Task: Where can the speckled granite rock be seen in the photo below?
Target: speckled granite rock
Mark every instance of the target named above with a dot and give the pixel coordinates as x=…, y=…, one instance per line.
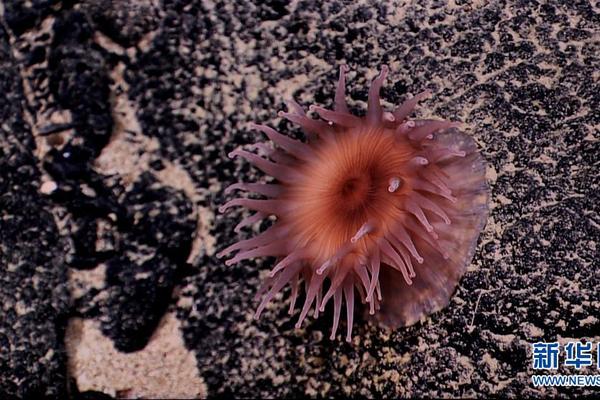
x=115, y=124
x=33, y=274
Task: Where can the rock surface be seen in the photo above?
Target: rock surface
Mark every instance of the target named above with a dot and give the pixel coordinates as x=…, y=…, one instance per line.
x=115, y=123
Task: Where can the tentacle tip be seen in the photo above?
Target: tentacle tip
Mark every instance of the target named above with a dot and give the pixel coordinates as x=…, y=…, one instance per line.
x=323, y=267
x=312, y=108
x=349, y=339
x=281, y=114
x=344, y=68
x=420, y=260
x=222, y=209
x=322, y=308
x=220, y=254
x=298, y=325
x=232, y=154
x=385, y=68
x=229, y=263
x=389, y=117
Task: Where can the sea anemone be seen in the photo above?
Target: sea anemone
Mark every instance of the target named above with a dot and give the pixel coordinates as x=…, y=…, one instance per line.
x=381, y=205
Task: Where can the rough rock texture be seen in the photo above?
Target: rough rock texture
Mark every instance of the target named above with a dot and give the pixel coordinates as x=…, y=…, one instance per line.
x=163, y=369
x=115, y=121
x=33, y=273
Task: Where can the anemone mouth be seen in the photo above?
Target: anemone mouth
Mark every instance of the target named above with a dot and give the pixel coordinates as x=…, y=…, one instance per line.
x=384, y=206
x=345, y=186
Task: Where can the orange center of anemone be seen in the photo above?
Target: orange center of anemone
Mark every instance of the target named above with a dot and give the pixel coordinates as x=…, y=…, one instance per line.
x=346, y=186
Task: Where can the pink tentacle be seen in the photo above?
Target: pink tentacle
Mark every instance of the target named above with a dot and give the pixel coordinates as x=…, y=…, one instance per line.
x=361, y=271
x=315, y=282
x=268, y=207
x=277, y=171
x=264, y=287
x=430, y=175
x=294, y=295
x=340, y=92
x=294, y=147
x=249, y=220
x=274, y=232
x=280, y=282
x=437, y=154
x=338, y=278
x=404, y=128
x=349, y=294
x=375, y=265
x=291, y=258
x=342, y=119
x=269, y=190
x=402, y=252
x=400, y=233
x=337, y=310
x=395, y=261
x=318, y=301
x=412, y=207
x=431, y=206
x=342, y=251
x=273, y=249
x=429, y=128
x=425, y=186
x=406, y=258
x=294, y=107
x=374, y=110
x=408, y=106
x=261, y=147
x=309, y=125
x=430, y=238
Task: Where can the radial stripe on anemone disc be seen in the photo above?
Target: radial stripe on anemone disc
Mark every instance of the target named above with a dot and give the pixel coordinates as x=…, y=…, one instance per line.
x=383, y=207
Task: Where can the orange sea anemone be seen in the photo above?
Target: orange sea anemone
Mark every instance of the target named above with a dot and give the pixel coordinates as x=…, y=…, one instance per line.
x=381, y=205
